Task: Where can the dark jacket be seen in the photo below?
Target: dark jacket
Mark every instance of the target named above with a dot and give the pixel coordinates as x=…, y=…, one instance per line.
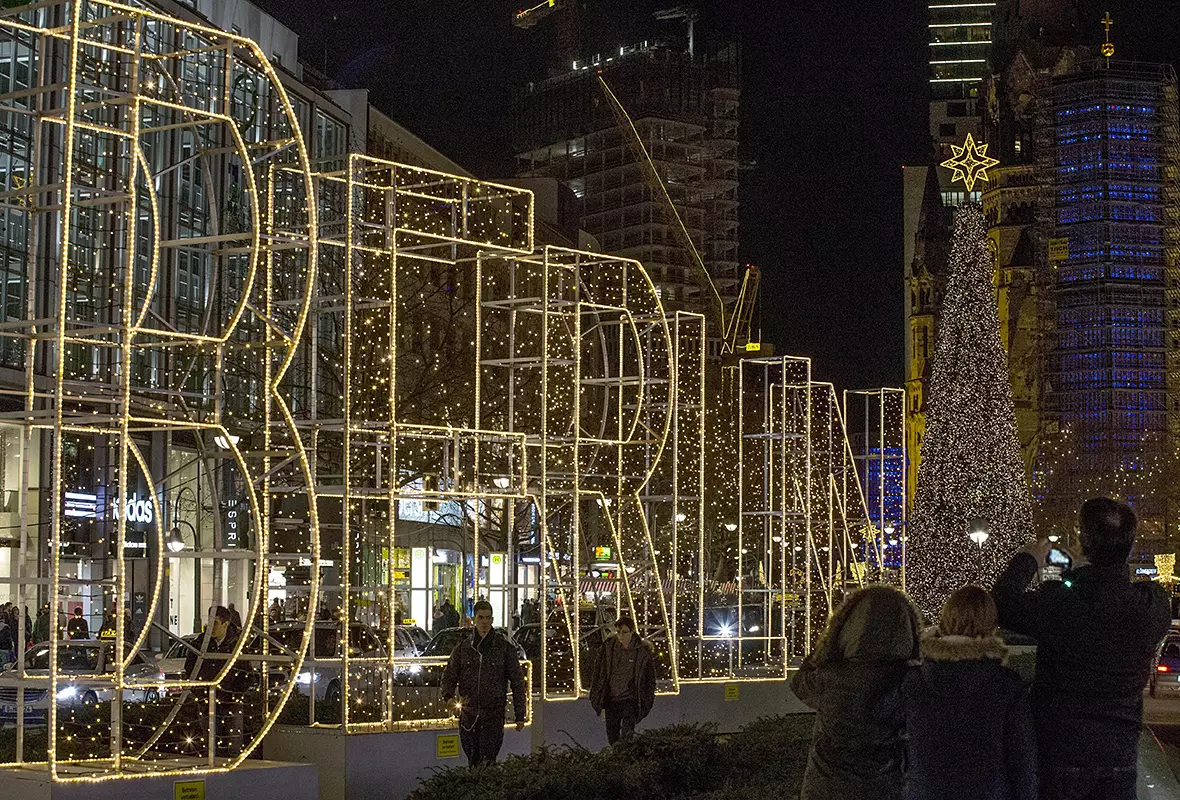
x=481, y=673
x=645, y=675
x=78, y=628
x=969, y=728
x=853, y=681
x=237, y=679
x=1096, y=636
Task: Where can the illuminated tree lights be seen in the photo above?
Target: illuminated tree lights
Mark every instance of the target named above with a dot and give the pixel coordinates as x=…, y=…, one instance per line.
x=971, y=466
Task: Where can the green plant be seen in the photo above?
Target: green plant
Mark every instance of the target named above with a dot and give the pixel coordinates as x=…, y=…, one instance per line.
x=681, y=762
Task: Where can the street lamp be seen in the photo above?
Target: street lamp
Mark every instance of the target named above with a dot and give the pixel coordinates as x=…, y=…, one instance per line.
x=501, y=483
x=175, y=540
x=730, y=526
x=226, y=442
x=978, y=530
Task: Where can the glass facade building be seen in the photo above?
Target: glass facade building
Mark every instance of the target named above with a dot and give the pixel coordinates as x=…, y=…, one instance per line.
x=960, y=41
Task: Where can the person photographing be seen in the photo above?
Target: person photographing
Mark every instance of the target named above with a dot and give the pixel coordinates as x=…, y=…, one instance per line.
x=480, y=670
x=1096, y=634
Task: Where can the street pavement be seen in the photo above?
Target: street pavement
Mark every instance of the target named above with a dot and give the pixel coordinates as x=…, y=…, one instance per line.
x=1161, y=716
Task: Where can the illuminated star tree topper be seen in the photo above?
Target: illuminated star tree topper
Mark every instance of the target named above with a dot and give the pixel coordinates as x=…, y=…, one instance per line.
x=971, y=476
x=970, y=162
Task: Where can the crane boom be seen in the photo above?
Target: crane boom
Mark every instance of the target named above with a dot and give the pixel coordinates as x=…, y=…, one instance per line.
x=643, y=158
x=738, y=332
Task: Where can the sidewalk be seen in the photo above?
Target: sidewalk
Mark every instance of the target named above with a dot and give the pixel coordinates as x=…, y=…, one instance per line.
x=1156, y=779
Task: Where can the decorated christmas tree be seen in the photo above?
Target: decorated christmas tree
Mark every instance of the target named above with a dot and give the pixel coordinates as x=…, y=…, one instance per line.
x=971, y=477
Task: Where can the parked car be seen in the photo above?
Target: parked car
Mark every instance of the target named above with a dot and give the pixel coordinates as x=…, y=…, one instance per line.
x=444, y=641
x=171, y=661
x=418, y=637
x=558, y=648
x=408, y=644
x=1165, y=673
x=321, y=677
x=77, y=657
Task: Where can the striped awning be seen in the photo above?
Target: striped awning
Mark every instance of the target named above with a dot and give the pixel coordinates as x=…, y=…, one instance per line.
x=616, y=584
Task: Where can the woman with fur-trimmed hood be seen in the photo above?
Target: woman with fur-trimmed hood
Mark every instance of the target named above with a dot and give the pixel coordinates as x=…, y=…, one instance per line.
x=969, y=729
x=852, y=680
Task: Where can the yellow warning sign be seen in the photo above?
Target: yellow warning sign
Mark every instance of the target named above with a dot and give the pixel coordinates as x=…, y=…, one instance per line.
x=731, y=692
x=189, y=790
x=448, y=746
x=1059, y=249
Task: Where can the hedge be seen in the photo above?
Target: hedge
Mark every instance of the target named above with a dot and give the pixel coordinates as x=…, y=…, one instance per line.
x=764, y=760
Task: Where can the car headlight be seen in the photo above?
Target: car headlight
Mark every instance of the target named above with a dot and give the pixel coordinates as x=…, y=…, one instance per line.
x=67, y=693
x=726, y=631
x=304, y=678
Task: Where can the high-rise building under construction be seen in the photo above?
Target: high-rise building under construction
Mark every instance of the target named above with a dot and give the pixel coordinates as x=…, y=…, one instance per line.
x=681, y=91
x=1110, y=149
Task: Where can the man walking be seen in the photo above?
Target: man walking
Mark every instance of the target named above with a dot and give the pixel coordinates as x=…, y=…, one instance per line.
x=624, y=681
x=1096, y=635
x=480, y=670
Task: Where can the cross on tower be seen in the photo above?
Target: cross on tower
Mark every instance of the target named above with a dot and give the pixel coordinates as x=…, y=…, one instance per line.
x=1107, y=48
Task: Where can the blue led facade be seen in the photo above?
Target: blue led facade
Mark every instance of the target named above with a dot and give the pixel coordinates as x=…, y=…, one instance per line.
x=1112, y=155
x=883, y=477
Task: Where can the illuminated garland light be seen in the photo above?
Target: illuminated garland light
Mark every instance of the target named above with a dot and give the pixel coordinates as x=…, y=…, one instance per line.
x=971, y=466
x=107, y=350
x=390, y=335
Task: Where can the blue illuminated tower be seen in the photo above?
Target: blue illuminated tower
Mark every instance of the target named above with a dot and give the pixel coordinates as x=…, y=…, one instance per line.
x=1112, y=160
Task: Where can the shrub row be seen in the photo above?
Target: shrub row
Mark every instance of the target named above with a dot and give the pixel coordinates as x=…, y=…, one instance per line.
x=682, y=762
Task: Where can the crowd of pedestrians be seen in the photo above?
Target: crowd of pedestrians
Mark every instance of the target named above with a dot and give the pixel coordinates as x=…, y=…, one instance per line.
x=918, y=714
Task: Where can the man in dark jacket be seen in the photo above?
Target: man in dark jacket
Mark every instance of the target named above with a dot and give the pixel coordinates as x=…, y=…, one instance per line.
x=78, y=627
x=480, y=670
x=624, y=681
x=1096, y=635
x=205, y=664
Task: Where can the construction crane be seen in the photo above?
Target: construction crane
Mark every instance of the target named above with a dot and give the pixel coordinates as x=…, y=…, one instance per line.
x=528, y=17
x=733, y=327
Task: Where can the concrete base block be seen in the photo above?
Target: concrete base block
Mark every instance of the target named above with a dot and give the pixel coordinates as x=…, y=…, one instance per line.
x=254, y=779
x=374, y=766
x=387, y=766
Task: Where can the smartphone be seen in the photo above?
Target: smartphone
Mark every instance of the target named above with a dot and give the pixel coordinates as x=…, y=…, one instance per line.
x=1059, y=558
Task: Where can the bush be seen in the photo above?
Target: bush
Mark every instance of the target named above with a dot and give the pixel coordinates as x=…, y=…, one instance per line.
x=687, y=762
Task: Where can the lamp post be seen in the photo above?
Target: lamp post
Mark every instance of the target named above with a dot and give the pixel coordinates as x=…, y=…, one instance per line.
x=175, y=544
x=978, y=531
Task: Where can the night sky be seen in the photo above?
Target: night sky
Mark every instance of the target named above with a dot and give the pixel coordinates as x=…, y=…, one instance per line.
x=834, y=101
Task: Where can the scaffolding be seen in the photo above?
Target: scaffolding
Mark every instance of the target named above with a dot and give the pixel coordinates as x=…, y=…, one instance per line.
x=1112, y=154
x=134, y=327
x=685, y=111
x=877, y=436
x=353, y=355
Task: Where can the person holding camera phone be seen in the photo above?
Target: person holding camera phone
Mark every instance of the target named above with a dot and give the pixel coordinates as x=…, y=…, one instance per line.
x=1096, y=634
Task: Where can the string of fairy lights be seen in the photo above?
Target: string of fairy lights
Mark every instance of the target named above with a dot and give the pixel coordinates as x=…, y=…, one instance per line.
x=339, y=345
x=971, y=472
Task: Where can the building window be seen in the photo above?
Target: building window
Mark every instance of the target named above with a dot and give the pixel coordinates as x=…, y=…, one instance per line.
x=947, y=129
x=956, y=109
